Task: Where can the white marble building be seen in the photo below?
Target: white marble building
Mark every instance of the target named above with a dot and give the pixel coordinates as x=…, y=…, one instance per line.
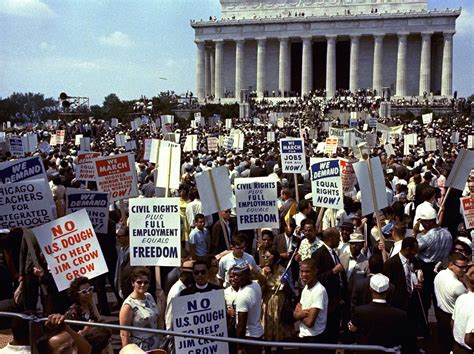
x=296, y=46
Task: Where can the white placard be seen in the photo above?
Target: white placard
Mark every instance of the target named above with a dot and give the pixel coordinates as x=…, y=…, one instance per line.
x=85, y=144
x=292, y=155
x=155, y=232
x=326, y=183
x=215, y=190
x=462, y=167
x=84, y=165
x=427, y=118
x=389, y=149
x=16, y=147
x=256, y=203
x=331, y=145
x=168, y=166
x=77, y=139
x=95, y=203
x=191, y=143
x=167, y=119
x=467, y=205
x=455, y=138
x=146, y=149
x=470, y=141
x=430, y=144
x=114, y=123
x=71, y=249
x=212, y=143
x=228, y=123
x=271, y=137
x=60, y=135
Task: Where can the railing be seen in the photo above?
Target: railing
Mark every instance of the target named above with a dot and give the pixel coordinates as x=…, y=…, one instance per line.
x=35, y=321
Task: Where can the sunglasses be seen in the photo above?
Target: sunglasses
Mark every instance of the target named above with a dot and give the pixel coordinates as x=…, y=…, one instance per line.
x=464, y=267
x=200, y=272
x=142, y=282
x=86, y=291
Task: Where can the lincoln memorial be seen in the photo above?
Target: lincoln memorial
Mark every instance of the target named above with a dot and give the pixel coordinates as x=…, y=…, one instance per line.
x=278, y=47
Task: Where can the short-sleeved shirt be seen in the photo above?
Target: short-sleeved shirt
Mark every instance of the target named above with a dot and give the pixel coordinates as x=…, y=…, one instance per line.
x=315, y=297
x=200, y=239
x=435, y=245
x=447, y=289
x=249, y=299
x=463, y=317
x=228, y=261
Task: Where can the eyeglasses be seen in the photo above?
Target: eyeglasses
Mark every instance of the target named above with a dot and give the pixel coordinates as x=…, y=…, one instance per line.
x=267, y=257
x=462, y=267
x=86, y=291
x=142, y=282
x=200, y=272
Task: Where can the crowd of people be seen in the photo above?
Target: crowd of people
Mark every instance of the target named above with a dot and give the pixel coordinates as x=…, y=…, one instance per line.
x=324, y=276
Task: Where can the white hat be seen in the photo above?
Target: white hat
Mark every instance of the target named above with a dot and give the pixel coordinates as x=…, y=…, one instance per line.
x=427, y=214
x=356, y=238
x=379, y=283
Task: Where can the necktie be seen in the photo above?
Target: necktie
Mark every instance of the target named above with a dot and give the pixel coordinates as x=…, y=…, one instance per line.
x=337, y=261
x=408, y=278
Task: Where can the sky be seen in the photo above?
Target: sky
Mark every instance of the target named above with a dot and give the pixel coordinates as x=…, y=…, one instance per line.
x=131, y=48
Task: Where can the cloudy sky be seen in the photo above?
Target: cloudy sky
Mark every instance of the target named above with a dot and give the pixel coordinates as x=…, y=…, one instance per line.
x=96, y=47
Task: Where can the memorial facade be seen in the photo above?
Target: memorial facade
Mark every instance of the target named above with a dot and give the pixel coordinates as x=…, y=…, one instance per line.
x=283, y=47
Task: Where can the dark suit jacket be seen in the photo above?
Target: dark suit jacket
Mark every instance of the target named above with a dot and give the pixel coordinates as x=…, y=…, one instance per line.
x=380, y=324
x=360, y=271
x=218, y=243
x=394, y=270
x=361, y=294
x=194, y=290
x=329, y=280
x=257, y=171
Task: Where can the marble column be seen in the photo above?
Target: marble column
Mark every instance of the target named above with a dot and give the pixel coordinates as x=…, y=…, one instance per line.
x=207, y=71
x=307, y=66
x=378, y=60
x=354, y=64
x=200, y=68
x=331, y=66
x=239, y=67
x=447, y=69
x=219, y=70
x=261, y=50
x=402, y=65
x=283, y=67
x=212, y=64
x=425, y=63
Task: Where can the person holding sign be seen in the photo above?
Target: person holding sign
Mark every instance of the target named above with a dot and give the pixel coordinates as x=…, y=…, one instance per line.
x=140, y=310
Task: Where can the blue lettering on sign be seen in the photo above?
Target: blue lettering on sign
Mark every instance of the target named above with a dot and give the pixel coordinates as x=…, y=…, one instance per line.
x=22, y=170
x=289, y=147
x=325, y=169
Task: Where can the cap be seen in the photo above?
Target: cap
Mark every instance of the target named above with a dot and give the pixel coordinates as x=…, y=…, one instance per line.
x=347, y=225
x=353, y=216
x=356, y=237
x=241, y=267
x=427, y=214
x=465, y=240
x=379, y=283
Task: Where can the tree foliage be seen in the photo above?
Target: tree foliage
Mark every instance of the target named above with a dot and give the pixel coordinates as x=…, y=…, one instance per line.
x=27, y=106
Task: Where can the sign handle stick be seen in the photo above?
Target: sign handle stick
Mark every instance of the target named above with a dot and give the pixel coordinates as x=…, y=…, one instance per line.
x=320, y=218
x=216, y=198
x=297, y=194
x=169, y=173
x=376, y=207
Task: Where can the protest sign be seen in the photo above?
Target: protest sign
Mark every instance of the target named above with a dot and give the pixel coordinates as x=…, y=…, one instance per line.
x=353, y=123
x=114, y=123
x=427, y=118
x=271, y=137
x=280, y=122
x=256, y=203
x=470, y=141
x=155, y=232
x=239, y=139
x=25, y=204
x=326, y=183
x=462, y=167
x=155, y=149
x=372, y=122
x=53, y=141
x=455, y=138
x=116, y=175
x=44, y=147
x=389, y=150
x=168, y=166
x=212, y=143
x=60, y=135
x=321, y=147
x=120, y=140
x=85, y=144
x=372, y=185
x=167, y=119
x=256, y=121
x=85, y=166
x=200, y=313
x=95, y=203
x=71, y=249
x=77, y=139
x=228, y=123
x=326, y=126
x=145, y=119
x=197, y=115
x=146, y=149
x=215, y=190
x=331, y=145
x=430, y=144
x=30, y=142
x=337, y=133
x=467, y=205
x=190, y=143
x=2, y=137
x=371, y=139
x=193, y=124
x=347, y=175
x=292, y=155
x=130, y=145
x=15, y=145
x=22, y=170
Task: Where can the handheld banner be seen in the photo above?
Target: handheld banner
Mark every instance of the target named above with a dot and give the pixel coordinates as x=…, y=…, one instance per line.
x=95, y=203
x=467, y=205
x=462, y=167
x=155, y=232
x=331, y=145
x=117, y=176
x=168, y=166
x=292, y=155
x=16, y=147
x=71, y=249
x=215, y=190
x=22, y=170
x=427, y=118
x=60, y=135
x=25, y=204
x=347, y=175
x=256, y=203
x=85, y=166
x=326, y=183
x=372, y=185
x=201, y=313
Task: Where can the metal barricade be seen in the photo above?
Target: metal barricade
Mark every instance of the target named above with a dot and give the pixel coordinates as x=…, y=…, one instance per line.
x=34, y=323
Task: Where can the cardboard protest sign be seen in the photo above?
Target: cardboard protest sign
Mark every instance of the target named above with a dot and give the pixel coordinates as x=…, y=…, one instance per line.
x=200, y=313
x=77, y=139
x=71, y=249
x=146, y=149
x=430, y=144
x=60, y=135
x=85, y=144
x=95, y=203
x=167, y=119
x=22, y=170
x=326, y=183
x=114, y=123
x=84, y=166
x=215, y=190
x=462, y=167
x=44, y=147
x=120, y=140
x=372, y=185
x=190, y=143
x=212, y=143
x=239, y=139
x=348, y=176
x=154, y=149
x=470, y=141
x=389, y=149
x=117, y=176
x=30, y=142
x=455, y=138
x=427, y=118
x=337, y=133
x=256, y=203
x=155, y=232
x=130, y=145
x=372, y=122
x=280, y=122
x=292, y=155
x=168, y=166
x=228, y=123
x=467, y=205
x=15, y=145
x=25, y=204
x=53, y=141
x=331, y=145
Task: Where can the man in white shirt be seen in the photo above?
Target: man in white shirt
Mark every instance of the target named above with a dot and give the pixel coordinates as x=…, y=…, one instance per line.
x=448, y=288
x=312, y=310
x=248, y=305
x=463, y=317
x=185, y=280
x=21, y=338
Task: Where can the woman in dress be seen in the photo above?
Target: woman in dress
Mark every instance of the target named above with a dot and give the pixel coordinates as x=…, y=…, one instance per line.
x=83, y=308
x=139, y=310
